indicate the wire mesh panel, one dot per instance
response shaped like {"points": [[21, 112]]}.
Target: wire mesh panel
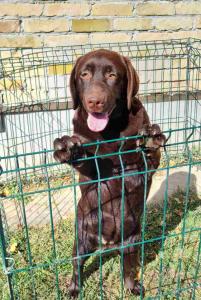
{"points": [[39, 197], [34, 84]]}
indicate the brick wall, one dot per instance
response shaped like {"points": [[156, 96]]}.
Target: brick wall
{"points": [[53, 23]]}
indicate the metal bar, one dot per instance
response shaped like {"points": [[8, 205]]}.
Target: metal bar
{"points": [[54, 250], [4, 258], [25, 108]]}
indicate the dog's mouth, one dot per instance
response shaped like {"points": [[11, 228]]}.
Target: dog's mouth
{"points": [[97, 121]]}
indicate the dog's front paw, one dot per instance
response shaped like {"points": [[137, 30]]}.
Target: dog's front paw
{"points": [[73, 290], [138, 289], [134, 286], [153, 138], [67, 149]]}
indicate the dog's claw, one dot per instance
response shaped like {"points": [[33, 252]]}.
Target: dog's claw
{"points": [[67, 149], [152, 137], [138, 289], [73, 290]]}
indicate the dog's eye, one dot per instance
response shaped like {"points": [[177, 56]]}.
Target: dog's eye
{"points": [[85, 75], [111, 75]]}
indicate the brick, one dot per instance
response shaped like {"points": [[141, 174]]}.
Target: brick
{"points": [[66, 9], [155, 9], [65, 40], [109, 9], [175, 23], [154, 36], [196, 34], [21, 9], [46, 25], [150, 36], [20, 41], [186, 34], [188, 8], [133, 24], [90, 25], [8, 26], [198, 22], [110, 37]]}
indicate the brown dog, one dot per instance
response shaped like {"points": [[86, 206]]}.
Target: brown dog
{"points": [[103, 86]]}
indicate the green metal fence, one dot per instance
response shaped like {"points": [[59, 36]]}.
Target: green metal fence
{"points": [[39, 196]]}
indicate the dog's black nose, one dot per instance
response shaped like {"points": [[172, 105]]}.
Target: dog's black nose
{"points": [[95, 103]]}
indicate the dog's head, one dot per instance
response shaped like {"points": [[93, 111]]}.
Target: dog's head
{"points": [[100, 81]]}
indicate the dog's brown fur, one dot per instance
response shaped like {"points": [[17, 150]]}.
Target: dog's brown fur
{"points": [[102, 81]]}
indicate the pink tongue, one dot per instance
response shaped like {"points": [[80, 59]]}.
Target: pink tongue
{"points": [[97, 122]]}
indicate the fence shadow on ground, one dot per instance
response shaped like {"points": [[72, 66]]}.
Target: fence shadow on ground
{"points": [[154, 224], [155, 217], [175, 208]]}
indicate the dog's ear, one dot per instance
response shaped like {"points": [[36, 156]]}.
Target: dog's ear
{"points": [[73, 87], [132, 82]]}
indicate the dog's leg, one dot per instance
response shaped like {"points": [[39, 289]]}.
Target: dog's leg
{"points": [[78, 264], [82, 245], [131, 269]]}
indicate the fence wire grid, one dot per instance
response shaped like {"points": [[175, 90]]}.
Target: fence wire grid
{"points": [[38, 197]]}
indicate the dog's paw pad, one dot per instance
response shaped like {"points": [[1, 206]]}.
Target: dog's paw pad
{"points": [[67, 149], [154, 130], [138, 289], [73, 290], [152, 137]]}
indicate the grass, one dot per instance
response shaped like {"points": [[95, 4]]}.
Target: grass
{"points": [[171, 265], [162, 269]]}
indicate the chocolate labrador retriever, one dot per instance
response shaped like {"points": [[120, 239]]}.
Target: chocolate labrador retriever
{"points": [[103, 86]]}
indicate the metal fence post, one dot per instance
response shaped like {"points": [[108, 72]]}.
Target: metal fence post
{"points": [[4, 255]]}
